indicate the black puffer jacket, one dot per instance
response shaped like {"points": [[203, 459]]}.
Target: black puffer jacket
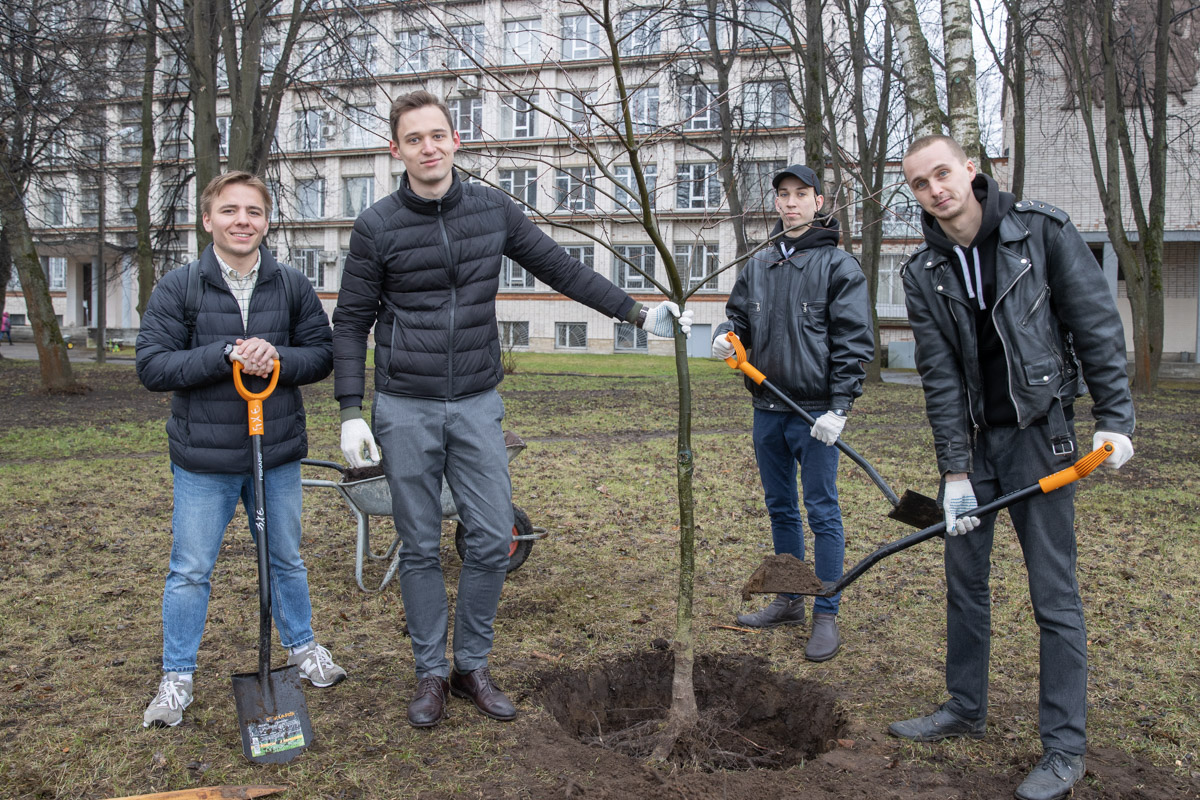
{"points": [[805, 320], [428, 271], [208, 429], [1049, 291]]}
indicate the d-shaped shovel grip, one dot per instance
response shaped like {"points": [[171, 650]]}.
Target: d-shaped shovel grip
{"points": [[738, 359], [254, 399]]}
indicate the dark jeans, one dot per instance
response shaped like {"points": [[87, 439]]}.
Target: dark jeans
{"points": [[781, 439], [1007, 459]]}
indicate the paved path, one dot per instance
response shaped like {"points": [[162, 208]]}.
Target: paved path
{"points": [[26, 351]]}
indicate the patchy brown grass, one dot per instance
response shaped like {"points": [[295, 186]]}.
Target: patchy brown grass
{"points": [[85, 534]]}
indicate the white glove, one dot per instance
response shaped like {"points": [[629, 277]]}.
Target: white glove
{"points": [[828, 428], [658, 320], [959, 498], [722, 348], [1122, 448], [358, 445]]}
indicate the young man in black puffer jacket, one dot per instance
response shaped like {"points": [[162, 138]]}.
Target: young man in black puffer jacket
{"points": [[801, 308], [424, 269], [242, 312]]}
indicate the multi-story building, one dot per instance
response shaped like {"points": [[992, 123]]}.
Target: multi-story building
{"points": [[531, 86]]}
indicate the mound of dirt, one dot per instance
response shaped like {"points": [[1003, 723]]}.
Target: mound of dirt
{"points": [[783, 573], [750, 717]]}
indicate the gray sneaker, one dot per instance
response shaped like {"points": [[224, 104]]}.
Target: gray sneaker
{"points": [[781, 611], [316, 666], [1054, 776], [939, 725], [825, 640], [166, 709]]}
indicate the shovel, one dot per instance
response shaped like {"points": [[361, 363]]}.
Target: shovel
{"points": [[272, 714], [762, 582], [210, 793], [912, 508]]}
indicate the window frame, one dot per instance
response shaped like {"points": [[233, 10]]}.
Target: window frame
{"points": [[562, 335]]}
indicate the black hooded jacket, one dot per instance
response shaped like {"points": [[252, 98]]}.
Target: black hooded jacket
{"points": [[802, 310], [977, 274]]}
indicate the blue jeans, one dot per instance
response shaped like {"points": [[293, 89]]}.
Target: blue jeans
{"points": [[422, 440], [204, 506], [781, 439], [1007, 459]]}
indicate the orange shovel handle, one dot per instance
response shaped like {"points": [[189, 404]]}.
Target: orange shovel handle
{"points": [[254, 399], [1079, 469], [738, 359]]}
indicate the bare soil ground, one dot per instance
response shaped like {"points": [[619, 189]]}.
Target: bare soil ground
{"points": [[767, 733]]}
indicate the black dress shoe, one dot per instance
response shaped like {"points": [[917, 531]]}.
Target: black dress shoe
{"points": [[478, 687], [428, 706]]}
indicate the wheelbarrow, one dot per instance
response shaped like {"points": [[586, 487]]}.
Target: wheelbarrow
{"points": [[372, 496]]}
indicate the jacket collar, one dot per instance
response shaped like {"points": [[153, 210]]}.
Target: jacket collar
{"points": [[210, 268], [423, 205], [1011, 229]]}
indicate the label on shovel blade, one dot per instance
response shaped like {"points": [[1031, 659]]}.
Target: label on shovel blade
{"points": [[275, 734]]}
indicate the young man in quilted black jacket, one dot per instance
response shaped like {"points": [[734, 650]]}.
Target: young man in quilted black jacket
{"points": [[424, 269]]}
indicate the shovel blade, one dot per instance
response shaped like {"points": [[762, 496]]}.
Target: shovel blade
{"points": [[273, 716], [916, 510]]}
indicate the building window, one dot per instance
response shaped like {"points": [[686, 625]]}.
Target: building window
{"points": [[626, 195], [359, 126], [696, 262], [575, 189], [412, 51], [639, 32], [577, 110], [276, 192], [583, 253], [89, 205], [522, 185], [127, 195], [698, 108], [694, 28], [763, 22], [522, 41], [310, 198], [314, 129], [629, 338], [467, 115], [55, 203], [175, 195], [889, 302], [175, 136], [580, 37], [513, 275], [629, 258], [223, 135], [308, 261], [357, 195], [56, 273], [514, 335], [468, 54], [270, 58], [901, 214], [362, 56], [570, 335], [643, 109], [754, 181], [518, 120], [765, 103], [697, 186]]}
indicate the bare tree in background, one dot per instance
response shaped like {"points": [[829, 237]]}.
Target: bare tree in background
{"points": [[49, 58]]}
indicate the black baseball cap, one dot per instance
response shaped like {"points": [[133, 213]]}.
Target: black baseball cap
{"points": [[806, 176]]}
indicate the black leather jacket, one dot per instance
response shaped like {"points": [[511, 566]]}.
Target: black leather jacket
{"points": [[1053, 312], [806, 324]]}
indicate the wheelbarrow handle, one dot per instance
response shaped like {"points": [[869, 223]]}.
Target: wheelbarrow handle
{"points": [[254, 399], [738, 361]]}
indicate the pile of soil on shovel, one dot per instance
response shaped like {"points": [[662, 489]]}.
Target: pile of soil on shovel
{"points": [[750, 718], [783, 573]]}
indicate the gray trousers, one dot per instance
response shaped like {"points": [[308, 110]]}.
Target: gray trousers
{"points": [[422, 440], [1007, 459]]}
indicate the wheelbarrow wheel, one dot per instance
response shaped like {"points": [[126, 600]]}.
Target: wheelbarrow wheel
{"points": [[518, 551]]}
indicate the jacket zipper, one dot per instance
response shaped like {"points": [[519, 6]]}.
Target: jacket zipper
{"points": [[453, 302], [1036, 305], [1012, 395]]}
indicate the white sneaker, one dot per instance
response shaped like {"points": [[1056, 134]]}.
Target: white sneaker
{"points": [[316, 665], [166, 709]]}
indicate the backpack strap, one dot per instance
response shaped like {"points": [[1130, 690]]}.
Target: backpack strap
{"points": [[191, 300]]}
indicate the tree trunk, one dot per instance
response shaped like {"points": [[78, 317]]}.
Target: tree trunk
{"points": [[52, 350], [1017, 53], [960, 76], [921, 86], [814, 80], [202, 67], [141, 209]]}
